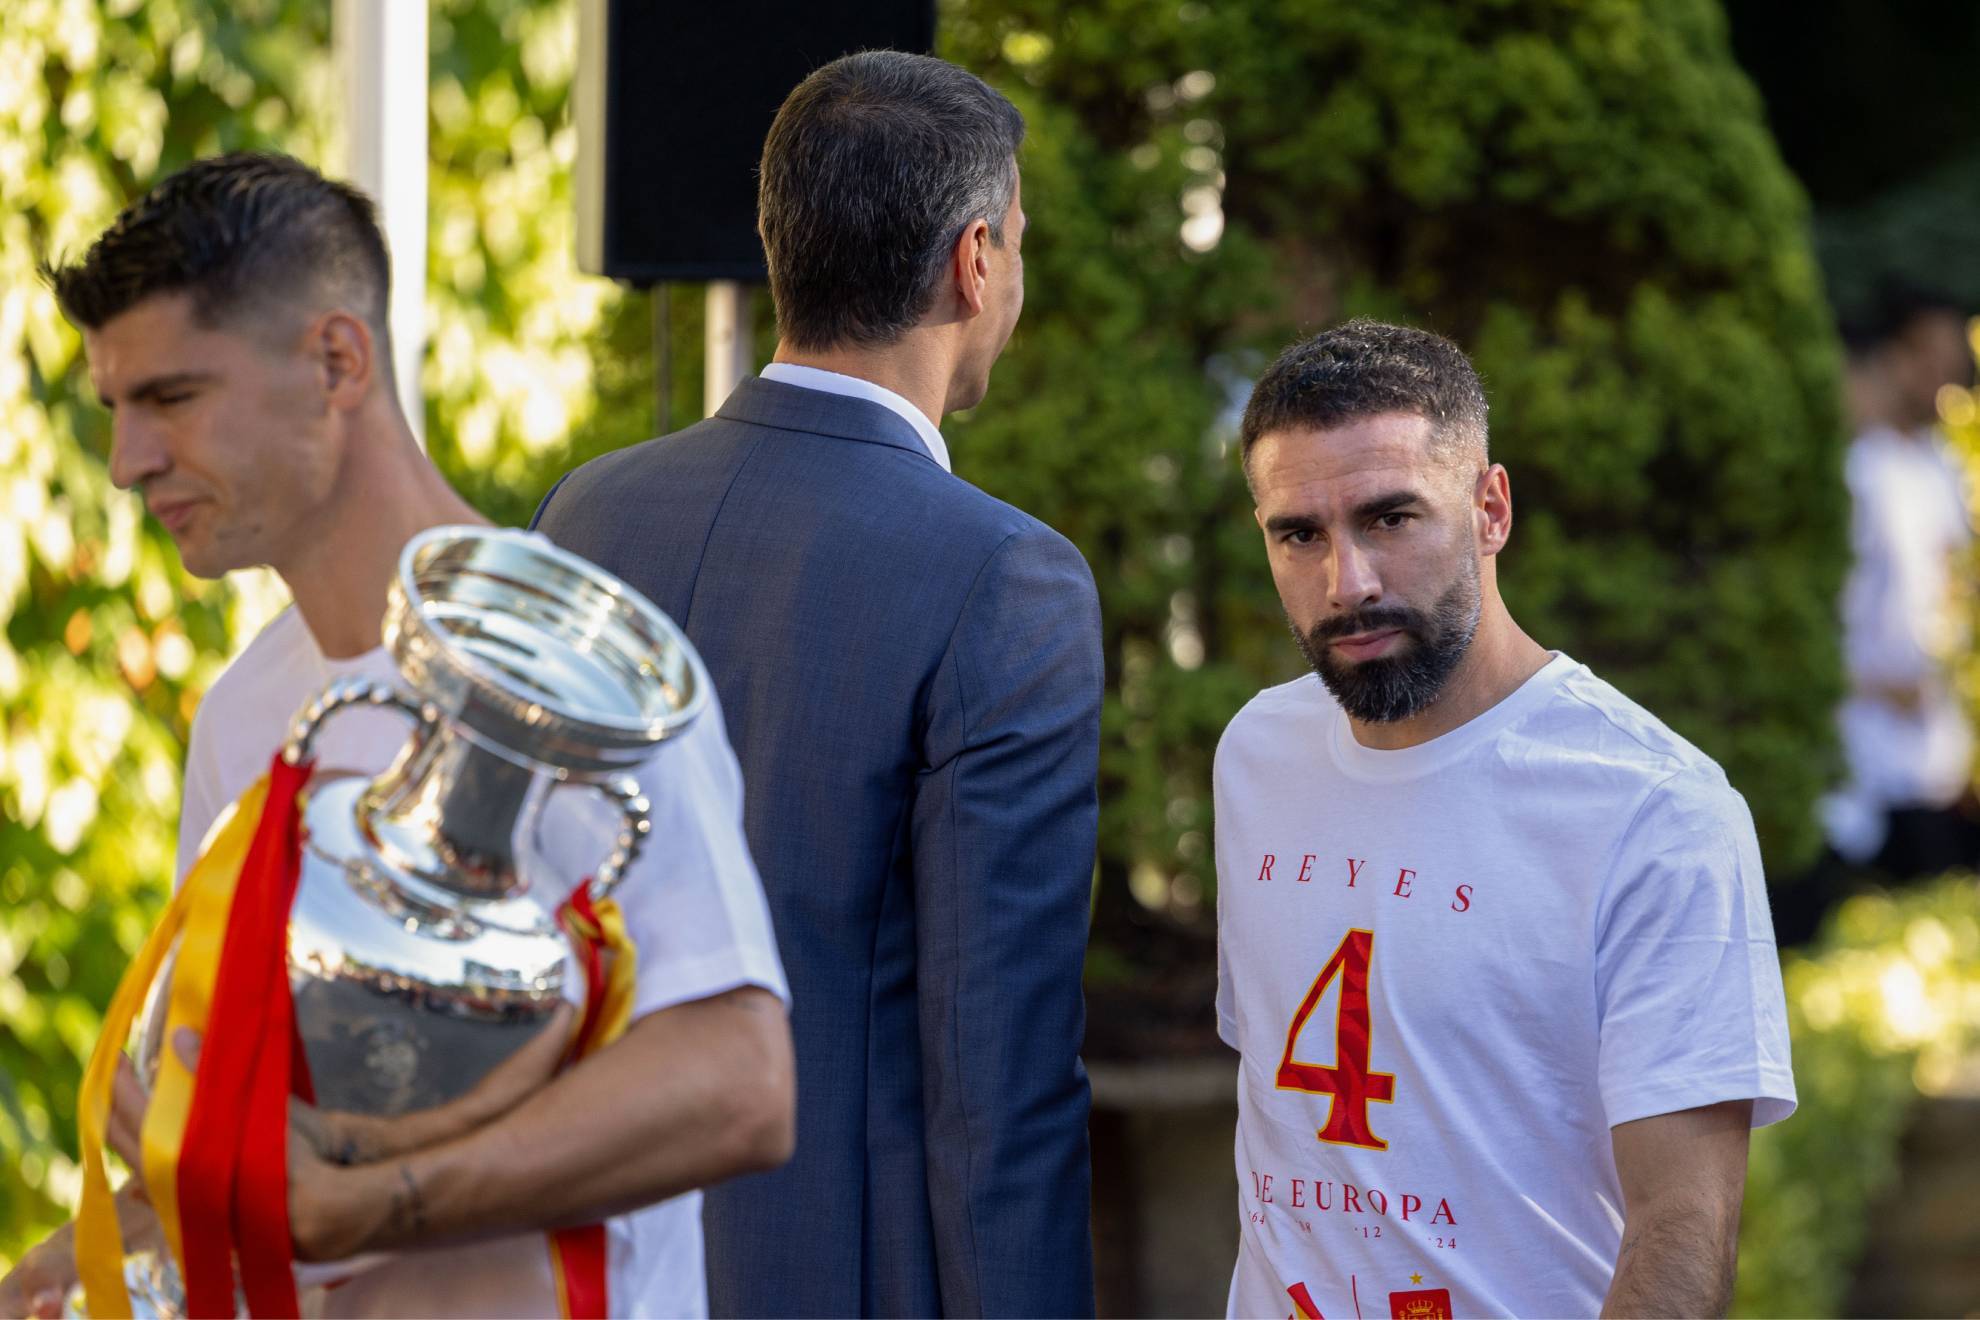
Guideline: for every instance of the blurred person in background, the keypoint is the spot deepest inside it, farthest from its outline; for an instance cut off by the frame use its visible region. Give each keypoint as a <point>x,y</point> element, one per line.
<point>234,322</point>
<point>1493,941</point>
<point>1907,809</point>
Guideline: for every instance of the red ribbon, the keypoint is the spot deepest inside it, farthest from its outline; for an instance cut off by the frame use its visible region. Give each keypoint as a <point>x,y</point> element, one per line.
<point>578,1254</point>
<point>233,1165</point>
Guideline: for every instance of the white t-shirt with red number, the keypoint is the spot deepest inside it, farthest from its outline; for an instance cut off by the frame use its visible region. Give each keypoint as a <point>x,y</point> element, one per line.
<point>1452,969</point>
<point>692,902</point>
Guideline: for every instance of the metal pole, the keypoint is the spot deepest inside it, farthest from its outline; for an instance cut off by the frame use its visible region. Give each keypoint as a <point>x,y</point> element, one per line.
<point>382,50</point>
<point>728,349</point>
<point>663,359</point>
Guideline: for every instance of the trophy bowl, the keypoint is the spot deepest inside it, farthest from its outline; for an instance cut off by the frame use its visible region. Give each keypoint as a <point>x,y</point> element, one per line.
<point>423,949</point>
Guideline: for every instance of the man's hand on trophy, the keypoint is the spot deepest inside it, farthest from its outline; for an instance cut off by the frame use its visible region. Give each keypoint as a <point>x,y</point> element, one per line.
<point>346,1138</point>
<point>322,1142</point>
<point>46,1275</point>
<point>41,1278</point>
<point>126,1127</point>
<point>310,1173</point>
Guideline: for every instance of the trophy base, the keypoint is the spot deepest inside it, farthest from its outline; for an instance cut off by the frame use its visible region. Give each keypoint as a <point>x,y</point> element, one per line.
<point>152,1277</point>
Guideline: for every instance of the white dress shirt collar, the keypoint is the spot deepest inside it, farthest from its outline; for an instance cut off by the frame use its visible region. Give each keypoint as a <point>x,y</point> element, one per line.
<point>834,382</point>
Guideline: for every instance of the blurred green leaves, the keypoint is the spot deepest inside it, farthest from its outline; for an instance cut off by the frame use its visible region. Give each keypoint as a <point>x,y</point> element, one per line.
<point>1885,1004</point>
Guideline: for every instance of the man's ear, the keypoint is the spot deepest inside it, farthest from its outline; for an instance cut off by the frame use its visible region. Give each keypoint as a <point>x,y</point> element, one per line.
<point>1492,501</point>
<point>969,264</point>
<point>346,355</point>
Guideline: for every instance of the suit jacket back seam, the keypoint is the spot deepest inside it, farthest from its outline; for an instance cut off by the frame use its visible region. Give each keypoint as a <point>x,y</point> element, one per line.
<point>721,506</point>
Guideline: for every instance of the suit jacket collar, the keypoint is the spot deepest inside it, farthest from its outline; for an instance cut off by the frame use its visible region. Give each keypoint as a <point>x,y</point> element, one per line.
<point>815,412</point>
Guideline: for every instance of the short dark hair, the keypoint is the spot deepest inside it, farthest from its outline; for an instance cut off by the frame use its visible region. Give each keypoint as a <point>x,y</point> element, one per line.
<point>1363,369</point>
<point>1893,308</point>
<point>242,233</point>
<point>875,165</point>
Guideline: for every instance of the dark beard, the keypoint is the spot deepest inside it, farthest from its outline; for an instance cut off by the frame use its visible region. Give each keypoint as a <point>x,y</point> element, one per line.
<point>1395,687</point>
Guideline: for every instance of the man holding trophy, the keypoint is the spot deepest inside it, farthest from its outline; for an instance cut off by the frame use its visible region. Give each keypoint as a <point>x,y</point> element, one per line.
<point>234,322</point>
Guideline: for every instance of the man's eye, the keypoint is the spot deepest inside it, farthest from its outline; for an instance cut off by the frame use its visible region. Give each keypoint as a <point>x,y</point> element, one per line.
<point>1392,521</point>
<point>176,396</point>
<point>1300,537</point>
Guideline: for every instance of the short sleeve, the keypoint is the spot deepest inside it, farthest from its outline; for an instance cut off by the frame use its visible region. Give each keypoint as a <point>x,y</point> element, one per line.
<point>1688,981</point>
<point>200,802</point>
<point>1227,1026</point>
<point>693,902</point>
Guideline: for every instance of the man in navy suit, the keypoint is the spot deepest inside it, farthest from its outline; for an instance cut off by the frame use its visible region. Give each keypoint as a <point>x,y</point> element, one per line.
<point>911,672</point>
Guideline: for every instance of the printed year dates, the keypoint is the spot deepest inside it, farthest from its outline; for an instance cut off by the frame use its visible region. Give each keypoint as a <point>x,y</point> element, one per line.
<point>1369,1231</point>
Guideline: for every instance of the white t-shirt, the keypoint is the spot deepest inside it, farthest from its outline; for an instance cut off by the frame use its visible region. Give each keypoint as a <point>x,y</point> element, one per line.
<point>692,902</point>
<point>1909,529</point>
<point>1494,947</point>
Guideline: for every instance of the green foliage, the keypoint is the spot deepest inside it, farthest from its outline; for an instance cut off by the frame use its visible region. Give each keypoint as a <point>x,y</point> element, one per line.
<point>533,368</point>
<point>1584,196</point>
<point>1882,1004</point>
<point>510,373</point>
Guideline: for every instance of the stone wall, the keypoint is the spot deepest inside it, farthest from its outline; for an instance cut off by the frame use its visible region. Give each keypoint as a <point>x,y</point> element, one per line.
<point>1165,1216</point>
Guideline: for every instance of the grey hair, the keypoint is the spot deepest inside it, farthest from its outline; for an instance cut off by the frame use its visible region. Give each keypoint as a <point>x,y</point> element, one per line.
<point>874,167</point>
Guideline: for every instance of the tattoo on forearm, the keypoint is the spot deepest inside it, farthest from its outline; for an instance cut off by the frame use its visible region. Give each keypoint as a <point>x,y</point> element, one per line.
<point>408,1208</point>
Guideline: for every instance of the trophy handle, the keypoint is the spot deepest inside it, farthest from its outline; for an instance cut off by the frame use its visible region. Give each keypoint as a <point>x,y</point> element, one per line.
<point>353,692</point>
<point>636,822</point>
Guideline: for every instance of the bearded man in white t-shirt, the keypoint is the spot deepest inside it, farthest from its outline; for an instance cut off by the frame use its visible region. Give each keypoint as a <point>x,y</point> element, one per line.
<point>1493,942</point>
<point>234,320</point>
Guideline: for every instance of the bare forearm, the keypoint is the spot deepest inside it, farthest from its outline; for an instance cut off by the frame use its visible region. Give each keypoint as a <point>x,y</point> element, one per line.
<point>1682,1176</point>
<point>689,1096</point>
<point>1675,1261</point>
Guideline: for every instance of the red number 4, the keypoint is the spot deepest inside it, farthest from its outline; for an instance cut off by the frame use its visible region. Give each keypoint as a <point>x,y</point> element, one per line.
<point>1347,1080</point>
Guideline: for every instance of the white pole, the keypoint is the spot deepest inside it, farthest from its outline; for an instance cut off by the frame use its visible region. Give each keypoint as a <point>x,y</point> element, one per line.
<point>382,51</point>
<point>728,357</point>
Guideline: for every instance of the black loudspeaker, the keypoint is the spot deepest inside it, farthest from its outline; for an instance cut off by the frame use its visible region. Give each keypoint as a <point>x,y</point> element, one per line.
<point>673,101</point>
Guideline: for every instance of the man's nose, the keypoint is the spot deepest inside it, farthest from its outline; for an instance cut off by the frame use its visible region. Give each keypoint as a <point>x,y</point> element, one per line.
<point>136,451</point>
<point>1355,581</point>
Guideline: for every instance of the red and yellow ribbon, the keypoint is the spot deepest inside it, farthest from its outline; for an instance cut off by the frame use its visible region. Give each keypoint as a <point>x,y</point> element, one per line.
<point>215,1142</point>
<point>606,954</point>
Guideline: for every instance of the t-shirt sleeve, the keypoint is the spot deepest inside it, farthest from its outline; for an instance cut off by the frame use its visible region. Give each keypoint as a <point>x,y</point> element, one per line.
<point>199,793</point>
<point>1688,981</point>
<point>1227,1027</point>
<point>692,900</point>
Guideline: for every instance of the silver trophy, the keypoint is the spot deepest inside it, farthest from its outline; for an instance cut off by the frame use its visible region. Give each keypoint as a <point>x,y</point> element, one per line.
<point>423,950</point>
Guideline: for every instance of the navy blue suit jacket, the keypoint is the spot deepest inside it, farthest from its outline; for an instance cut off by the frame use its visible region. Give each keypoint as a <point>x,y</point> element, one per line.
<point>911,673</point>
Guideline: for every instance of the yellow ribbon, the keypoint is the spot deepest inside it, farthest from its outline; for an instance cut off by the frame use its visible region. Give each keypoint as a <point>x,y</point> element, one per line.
<point>621,964</point>
<point>199,909</point>
<point>605,1021</point>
